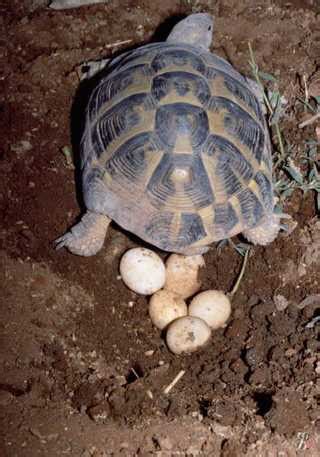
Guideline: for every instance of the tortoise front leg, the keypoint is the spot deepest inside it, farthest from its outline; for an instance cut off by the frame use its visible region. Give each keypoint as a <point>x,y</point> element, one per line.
<point>87,237</point>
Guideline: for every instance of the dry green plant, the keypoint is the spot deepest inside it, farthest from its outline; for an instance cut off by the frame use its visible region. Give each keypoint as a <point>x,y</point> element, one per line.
<point>288,174</point>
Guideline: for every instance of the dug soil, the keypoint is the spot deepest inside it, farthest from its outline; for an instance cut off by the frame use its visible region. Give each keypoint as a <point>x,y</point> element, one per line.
<point>82,369</point>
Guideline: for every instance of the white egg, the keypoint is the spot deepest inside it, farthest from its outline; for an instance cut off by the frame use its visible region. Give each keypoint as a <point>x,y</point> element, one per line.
<point>187,334</point>
<point>165,306</point>
<point>143,271</point>
<point>213,306</point>
<point>182,274</point>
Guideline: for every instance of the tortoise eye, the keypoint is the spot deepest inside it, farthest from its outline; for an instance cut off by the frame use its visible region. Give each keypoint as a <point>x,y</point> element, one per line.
<point>209,28</point>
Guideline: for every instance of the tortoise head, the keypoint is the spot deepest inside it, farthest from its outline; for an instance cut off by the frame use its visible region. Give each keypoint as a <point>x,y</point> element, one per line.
<point>196,29</point>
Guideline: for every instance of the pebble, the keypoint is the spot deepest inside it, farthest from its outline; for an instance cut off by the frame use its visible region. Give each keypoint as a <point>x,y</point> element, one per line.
<point>163,442</point>
<point>140,31</point>
<point>100,413</point>
<point>280,302</point>
<point>5,398</point>
<point>251,357</point>
<point>21,147</point>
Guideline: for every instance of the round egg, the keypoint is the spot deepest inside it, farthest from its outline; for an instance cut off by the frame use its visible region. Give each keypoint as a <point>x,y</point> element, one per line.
<point>165,306</point>
<point>182,274</point>
<point>142,270</point>
<point>213,306</point>
<point>187,334</point>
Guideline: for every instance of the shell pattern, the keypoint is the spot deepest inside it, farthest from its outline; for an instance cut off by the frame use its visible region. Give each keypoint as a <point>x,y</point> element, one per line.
<point>176,148</point>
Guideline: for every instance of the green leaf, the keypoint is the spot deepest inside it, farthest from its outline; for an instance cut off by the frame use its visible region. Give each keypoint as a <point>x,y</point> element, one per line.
<point>287,193</point>
<point>305,103</point>
<point>278,209</point>
<point>315,171</point>
<point>221,244</point>
<point>295,174</point>
<point>312,149</point>
<point>266,76</point>
<point>311,174</point>
<point>274,98</point>
<point>242,248</point>
<point>318,201</point>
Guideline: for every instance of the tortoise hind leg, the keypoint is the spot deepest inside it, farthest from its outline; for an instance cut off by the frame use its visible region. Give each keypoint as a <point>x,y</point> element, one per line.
<point>87,237</point>
<point>266,231</point>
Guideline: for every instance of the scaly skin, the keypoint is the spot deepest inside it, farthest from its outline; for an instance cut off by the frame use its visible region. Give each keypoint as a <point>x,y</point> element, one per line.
<point>267,230</point>
<point>87,237</point>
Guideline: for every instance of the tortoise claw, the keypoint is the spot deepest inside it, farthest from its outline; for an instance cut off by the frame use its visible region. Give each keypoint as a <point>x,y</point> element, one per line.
<point>87,237</point>
<point>63,241</point>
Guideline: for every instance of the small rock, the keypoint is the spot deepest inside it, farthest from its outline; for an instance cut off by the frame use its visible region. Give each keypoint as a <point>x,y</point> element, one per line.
<point>314,85</point>
<point>33,5</point>
<point>163,442</point>
<point>5,398</point>
<point>197,415</point>
<point>100,413</point>
<point>86,453</point>
<point>21,147</point>
<point>251,356</point>
<point>239,367</point>
<point>261,376</point>
<point>193,450</point>
<point>140,31</point>
<point>281,303</point>
<point>290,352</point>
<point>28,238</point>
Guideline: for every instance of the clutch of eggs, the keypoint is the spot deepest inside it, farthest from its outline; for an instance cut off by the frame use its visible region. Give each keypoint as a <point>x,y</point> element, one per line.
<point>187,329</point>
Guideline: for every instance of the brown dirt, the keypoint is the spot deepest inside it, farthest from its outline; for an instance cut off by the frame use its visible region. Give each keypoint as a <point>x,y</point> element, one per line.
<point>76,377</point>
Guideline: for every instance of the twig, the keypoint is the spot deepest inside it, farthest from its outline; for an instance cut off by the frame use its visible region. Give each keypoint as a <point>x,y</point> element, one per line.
<point>238,281</point>
<point>313,322</point>
<point>135,373</point>
<point>67,152</point>
<point>117,43</point>
<point>310,300</point>
<point>306,92</point>
<point>255,71</point>
<point>174,382</point>
<point>66,4</point>
<point>309,121</point>
<point>282,152</point>
<point>306,104</point>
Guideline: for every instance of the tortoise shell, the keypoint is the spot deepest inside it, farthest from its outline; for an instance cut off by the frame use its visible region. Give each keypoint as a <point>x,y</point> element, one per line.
<point>176,148</point>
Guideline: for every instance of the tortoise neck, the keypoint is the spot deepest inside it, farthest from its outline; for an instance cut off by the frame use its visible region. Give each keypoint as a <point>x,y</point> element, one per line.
<point>196,30</point>
<point>187,40</point>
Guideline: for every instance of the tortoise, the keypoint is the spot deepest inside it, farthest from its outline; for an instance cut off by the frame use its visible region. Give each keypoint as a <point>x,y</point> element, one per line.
<point>175,149</point>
